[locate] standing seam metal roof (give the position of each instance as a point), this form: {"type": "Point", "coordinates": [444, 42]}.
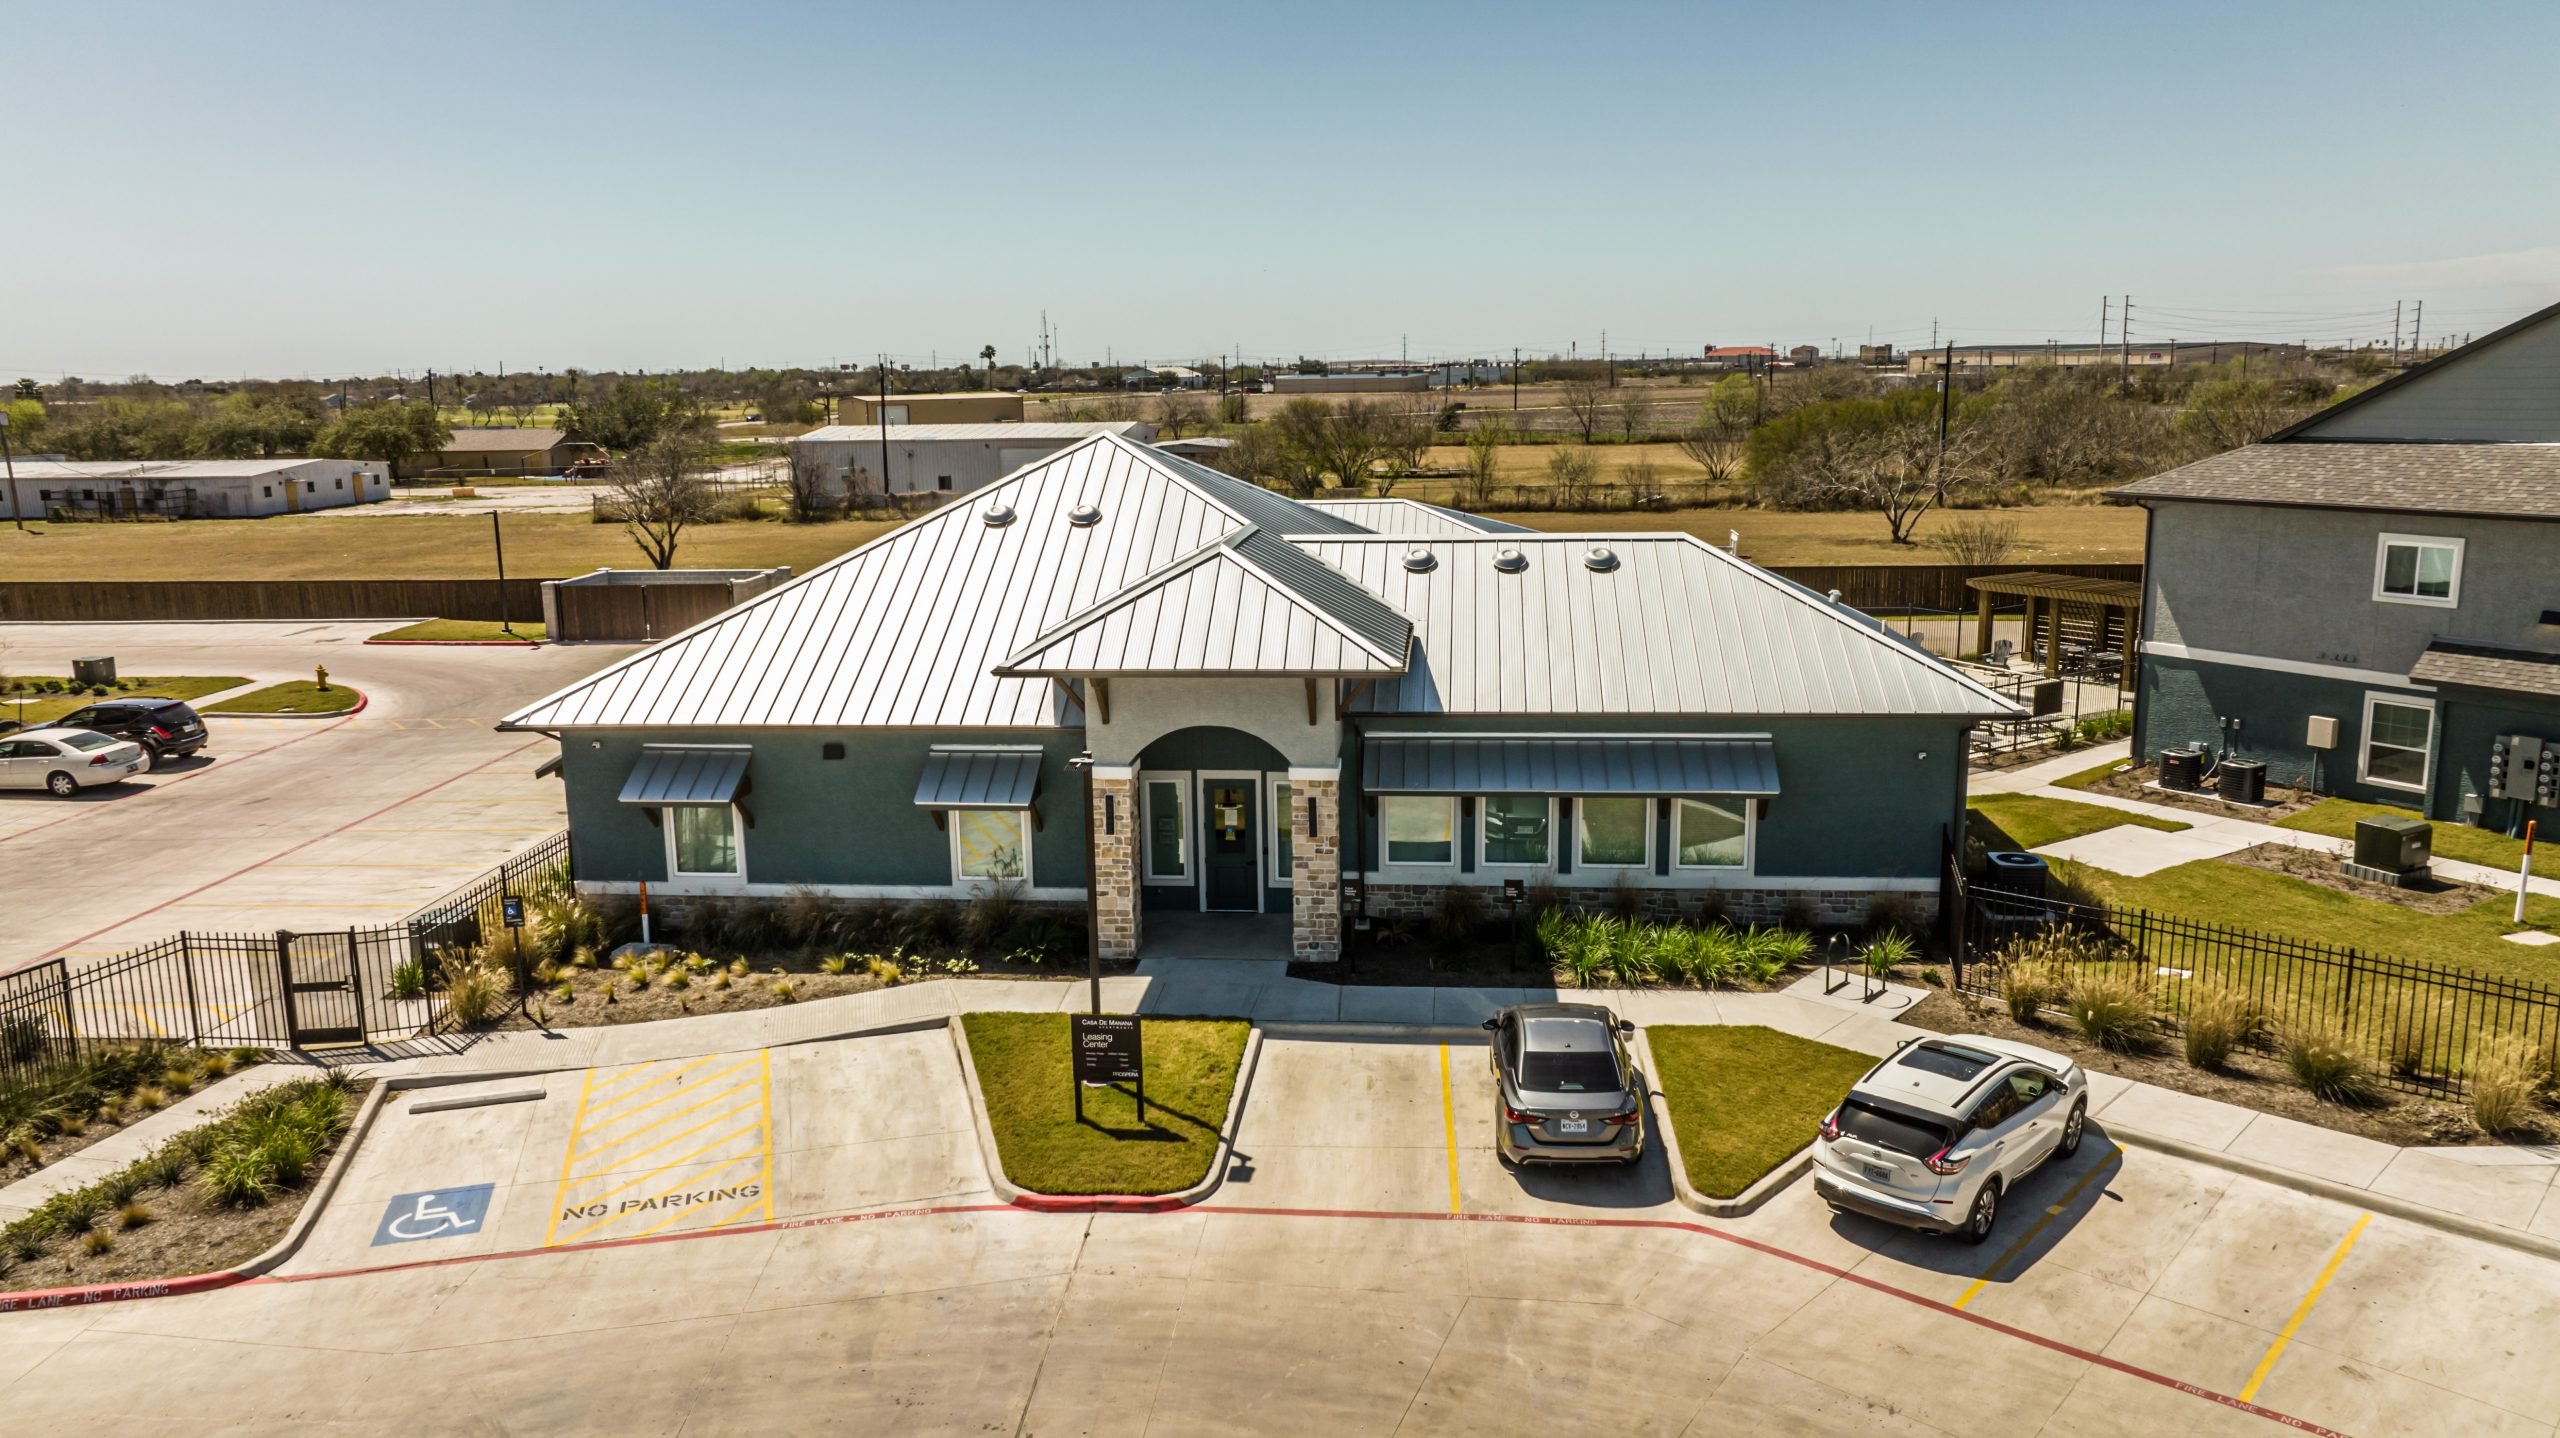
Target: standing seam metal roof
{"type": "Point", "coordinates": [1411, 516]}
{"type": "Point", "coordinates": [1509, 764]}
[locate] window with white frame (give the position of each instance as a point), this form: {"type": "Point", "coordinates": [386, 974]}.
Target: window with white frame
{"type": "Point", "coordinates": [1420, 828]}
{"type": "Point", "coordinates": [1168, 828]}
{"type": "Point", "coordinates": [990, 844]}
{"type": "Point", "coordinates": [1613, 831]}
{"type": "Point", "coordinates": [1712, 834]}
{"type": "Point", "coordinates": [2417, 569]}
{"type": "Point", "coordinates": [2399, 736]}
{"type": "Point", "coordinates": [1517, 830]}
{"type": "Point", "coordinates": [702, 841]}
{"type": "Point", "coordinates": [1283, 833]}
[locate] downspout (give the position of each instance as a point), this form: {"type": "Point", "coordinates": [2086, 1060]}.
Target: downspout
{"type": "Point", "coordinates": [2142, 640]}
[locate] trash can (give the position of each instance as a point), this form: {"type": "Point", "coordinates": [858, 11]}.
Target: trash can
{"type": "Point", "coordinates": [96, 669]}
{"type": "Point", "coordinates": [2182, 767]}
{"type": "Point", "coordinates": [2242, 781]}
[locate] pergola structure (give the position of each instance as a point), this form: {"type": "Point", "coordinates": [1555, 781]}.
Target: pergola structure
{"type": "Point", "coordinates": [2050, 598]}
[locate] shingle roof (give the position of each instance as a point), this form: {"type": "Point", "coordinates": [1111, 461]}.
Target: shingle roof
{"type": "Point", "coordinates": [2509, 480]}
{"type": "Point", "coordinates": [2488, 666]}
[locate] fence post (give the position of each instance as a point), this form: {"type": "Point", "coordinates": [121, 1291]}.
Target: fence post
{"type": "Point", "coordinates": [195, 1010]}
{"type": "Point", "coordinates": [70, 1026]}
{"type": "Point", "coordinates": [284, 987]}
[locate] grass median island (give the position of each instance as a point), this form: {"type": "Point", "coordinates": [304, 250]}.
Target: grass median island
{"type": "Point", "coordinates": [1027, 1082]}
{"type": "Point", "coordinates": [2031, 821]}
{"type": "Point", "coordinates": [298, 696]}
{"type": "Point", "coordinates": [25, 698]}
{"type": "Point", "coordinates": [1744, 1098]}
{"type": "Point", "coordinates": [460, 631]}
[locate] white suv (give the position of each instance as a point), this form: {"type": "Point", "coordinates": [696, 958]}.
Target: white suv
{"type": "Point", "coordinates": [1933, 1136]}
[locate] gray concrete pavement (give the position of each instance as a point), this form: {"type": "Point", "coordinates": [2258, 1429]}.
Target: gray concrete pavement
{"type": "Point", "coordinates": [302, 824]}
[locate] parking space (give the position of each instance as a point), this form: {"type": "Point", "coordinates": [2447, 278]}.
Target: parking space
{"type": "Point", "coordinates": [300, 824]}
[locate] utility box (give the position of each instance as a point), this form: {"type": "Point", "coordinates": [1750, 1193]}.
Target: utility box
{"type": "Point", "coordinates": [96, 669]}
{"type": "Point", "coordinates": [2321, 732]}
{"type": "Point", "coordinates": [2394, 845]}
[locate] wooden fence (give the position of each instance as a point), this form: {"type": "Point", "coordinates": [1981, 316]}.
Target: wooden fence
{"type": "Point", "coordinates": [115, 601]}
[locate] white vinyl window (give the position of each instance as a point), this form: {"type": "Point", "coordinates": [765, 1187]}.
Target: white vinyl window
{"type": "Point", "coordinates": [2417, 569]}
{"type": "Point", "coordinates": [2399, 742]}
{"type": "Point", "coordinates": [1712, 834]}
{"type": "Point", "coordinates": [1168, 829]}
{"type": "Point", "coordinates": [990, 844]}
{"type": "Point", "coordinates": [702, 842]}
{"type": "Point", "coordinates": [1283, 834]}
{"type": "Point", "coordinates": [1518, 831]}
{"type": "Point", "coordinates": [1420, 828]}
{"type": "Point", "coordinates": [1613, 831]}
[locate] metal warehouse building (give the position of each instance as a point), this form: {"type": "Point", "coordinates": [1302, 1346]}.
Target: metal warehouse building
{"type": "Point", "coordinates": [1291, 716]}
{"type": "Point", "coordinates": [956, 458]}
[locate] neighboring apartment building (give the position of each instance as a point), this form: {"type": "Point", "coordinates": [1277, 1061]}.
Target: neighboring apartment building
{"type": "Point", "coordinates": [1290, 716]}
{"type": "Point", "coordinates": [2369, 601]}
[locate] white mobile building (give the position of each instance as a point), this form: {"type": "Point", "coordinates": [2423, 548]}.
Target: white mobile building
{"type": "Point", "coordinates": [191, 488]}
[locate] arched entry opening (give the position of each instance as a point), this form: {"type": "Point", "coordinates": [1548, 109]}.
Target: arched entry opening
{"type": "Point", "coordinates": [1214, 861]}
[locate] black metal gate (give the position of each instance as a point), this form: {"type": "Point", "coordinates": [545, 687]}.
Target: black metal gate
{"type": "Point", "coordinates": [323, 988]}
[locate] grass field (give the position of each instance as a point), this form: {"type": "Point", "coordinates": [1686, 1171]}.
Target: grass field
{"type": "Point", "coordinates": [2031, 821]}
{"type": "Point", "coordinates": [460, 631]}
{"type": "Point", "coordinates": [1026, 1079]}
{"type": "Point", "coordinates": [2337, 819]}
{"type": "Point", "coordinates": [294, 696]}
{"type": "Point", "coordinates": [1742, 1098]}
{"type": "Point", "coordinates": [45, 708]}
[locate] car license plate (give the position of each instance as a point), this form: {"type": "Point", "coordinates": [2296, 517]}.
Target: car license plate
{"type": "Point", "coordinates": [1573, 1125]}
{"type": "Point", "coordinates": [1880, 1175]}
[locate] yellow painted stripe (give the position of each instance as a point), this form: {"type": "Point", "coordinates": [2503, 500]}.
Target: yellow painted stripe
{"type": "Point", "coordinates": [723, 1096]}
{"type": "Point", "coordinates": [701, 1177]}
{"type": "Point", "coordinates": [608, 1111]}
{"type": "Point", "coordinates": [1449, 1126]}
{"type": "Point", "coordinates": [680, 1160]}
{"type": "Point", "coordinates": [568, 1151]}
{"type": "Point", "coordinates": [2302, 1310]}
{"type": "Point", "coordinates": [2048, 1216]}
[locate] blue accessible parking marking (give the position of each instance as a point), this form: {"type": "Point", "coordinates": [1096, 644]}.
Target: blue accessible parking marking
{"type": "Point", "coordinates": [436, 1213]}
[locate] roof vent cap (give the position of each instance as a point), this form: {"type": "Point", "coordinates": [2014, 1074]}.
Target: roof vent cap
{"type": "Point", "coordinates": [1601, 559]}
{"type": "Point", "coordinates": [1085, 515]}
{"type": "Point", "coordinates": [1420, 560]}
{"type": "Point", "coordinates": [997, 516]}
{"type": "Point", "coordinates": [1509, 560]}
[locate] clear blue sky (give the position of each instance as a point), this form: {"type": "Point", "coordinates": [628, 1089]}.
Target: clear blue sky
{"type": "Point", "coordinates": [215, 190]}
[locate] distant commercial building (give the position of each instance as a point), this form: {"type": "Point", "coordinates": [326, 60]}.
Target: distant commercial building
{"type": "Point", "coordinates": [494, 452]}
{"type": "Point", "coordinates": [1413, 382]}
{"type": "Point", "coordinates": [1875, 354]}
{"type": "Point", "coordinates": [962, 407]}
{"type": "Point", "coordinates": [946, 458]}
{"type": "Point", "coordinates": [1805, 354]}
{"type": "Point", "coordinates": [1751, 357]}
{"type": "Point", "coordinates": [1164, 376]}
{"type": "Point", "coordinates": [1200, 449]}
{"type": "Point", "coordinates": [191, 488]}
{"type": "Point", "coordinates": [2147, 354]}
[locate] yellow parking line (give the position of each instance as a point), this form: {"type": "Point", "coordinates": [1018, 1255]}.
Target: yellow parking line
{"type": "Point", "coordinates": [1449, 1126]}
{"type": "Point", "coordinates": [568, 1151]}
{"type": "Point", "coordinates": [681, 1159]}
{"type": "Point", "coordinates": [603, 1120]}
{"type": "Point", "coordinates": [143, 1014]}
{"type": "Point", "coordinates": [2302, 1310]}
{"type": "Point", "coordinates": [2051, 1213]}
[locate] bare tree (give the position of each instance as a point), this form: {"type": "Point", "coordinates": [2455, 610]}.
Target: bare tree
{"type": "Point", "coordinates": [1342, 442]}
{"type": "Point", "coordinates": [1714, 450]}
{"type": "Point", "coordinates": [1570, 469]}
{"type": "Point", "coordinates": [658, 491]}
{"type": "Point", "coordinates": [1264, 456]}
{"type": "Point", "coordinates": [1484, 461]}
{"type": "Point", "coordinates": [1178, 411]}
{"type": "Point", "coordinates": [1405, 426]}
{"type": "Point", "coordinates": [1117, 406]}
{"type": "Point", "coordinates": [1588, 402]}
{"type": "Point", "coordinates": [1976, 541]}
{"type": "Point", "coordinates": [807, 493]}
{"type": "Point", "coordinates": [1631, 413]}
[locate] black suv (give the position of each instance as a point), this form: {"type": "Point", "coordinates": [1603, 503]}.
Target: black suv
{"type": "Point", "coordinates": [165, 728]}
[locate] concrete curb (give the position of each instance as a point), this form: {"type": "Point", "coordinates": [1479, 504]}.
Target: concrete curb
{"type": "Point", "coordinates": [1348, 1029]}
{"type": "Point", "coordinates": [1761, 1189]}
{"type": "Point", "coordinates": [362, 699]}
{"type": "Point", "coordinates": [465, 643]}
{"type": "Point", "coordinates": [2400, 1208]}
{"type": "Point", "coordinates": [1020, 1197]}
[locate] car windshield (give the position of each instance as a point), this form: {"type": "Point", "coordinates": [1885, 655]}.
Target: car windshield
{"type": "Point", "coordinates": [1948, 1061]}
{"type": "Point", "coordinates": [1572, 1071]}
{"type": "Point", "coordinates": [1903, 1133]}
{"type": "Point", "coordinates": [85, 742]}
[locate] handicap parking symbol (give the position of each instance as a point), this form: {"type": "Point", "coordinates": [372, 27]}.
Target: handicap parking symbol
{"type": "Point", "coordinates": [436, 1213]}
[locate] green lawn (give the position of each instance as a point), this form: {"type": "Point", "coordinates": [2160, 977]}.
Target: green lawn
{"type": "Point", "coordinates": [2337, 819]}
{"type": "Point", "coordinates": [297, 696]}
{"type": "Point", "coordinates": [2087, 777]}
{"type": "Point", "coordinates": [1743, 1098]}
{"type": "Point", "coordinates": [2031, 821]}
{"type": "Point", "coordinates": [44, 708]}
{"type": "Point", "coordinates": [1025, 1076]}
{"type": "Point", "coordinates": [458, 631]}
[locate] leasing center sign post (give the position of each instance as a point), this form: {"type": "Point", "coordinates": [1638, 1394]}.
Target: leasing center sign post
{"type": "Point", "coordinates": [1107, 1051]}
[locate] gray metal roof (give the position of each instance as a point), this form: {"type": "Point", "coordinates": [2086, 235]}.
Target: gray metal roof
{"type": "Point", "coordinates": [2489, 666]}
{"type": "Point", "coordinates": [1017, 431]}
{"type": "Point", "coordinates": [681, 775]}
{"type": "Point", "coordinates": [478, 439]}
{"type": "Point", "coordinates": [979, 779]}
{"type": "Point", "coordinates": [1410, 516]}
{"type": "Point", "coordinates": [1677, 627]}
{"type": "Point", "coordinates": [2517, 481]}
{"type": "Point", "coordinates": [1509, 764]}
{"type": "Point", "coordinates": [1251, 603]}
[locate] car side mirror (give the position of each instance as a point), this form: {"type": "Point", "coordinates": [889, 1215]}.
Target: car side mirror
{"type": "Point", "coordinates": [1627, 1027]}
{"type": "Point", "coordinates": [1490, 1025]}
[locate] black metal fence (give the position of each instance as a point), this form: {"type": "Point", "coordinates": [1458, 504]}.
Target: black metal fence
{"type": "Point", "coordinates": [281, 989]}
{"type": "Point", "coordinates": [2420, 1026]}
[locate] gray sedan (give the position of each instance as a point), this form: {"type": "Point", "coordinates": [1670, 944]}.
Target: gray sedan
{"type": "Point", "coordinates": [65, 761]}
{"type": "Point", "coordinates": [1564, 1088]}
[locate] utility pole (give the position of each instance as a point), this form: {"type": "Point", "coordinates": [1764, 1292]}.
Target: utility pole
{"type": "Point", "coordinates": [17, 501]}
{"type": "Point", "coordinates": [1946, 399]}
{"type": "Point", "coordinates": [2418, 330]}
{"type": "Point", "coordinates": [2124, 338]}
{"type": "Point", "coordinates": [2395, 334]}
{"type": "Point", "coordinates": [1515, 379]}
{"type": "Point", "coordinates": [498, 538]}
{"type": "Point", "coordinates": [1606, 360]}
{"type": "Point", "coordinates": [2106, 314]}
{"type": "Point", "coordinates": [883, 417]}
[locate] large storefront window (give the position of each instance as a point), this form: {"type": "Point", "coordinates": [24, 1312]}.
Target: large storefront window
{"type": "Point", "coordinates": [1419, 830]}
{"type": "Point", "coordinates": [1713, 835]}
{"type": "Point", "coordinates": [1516, 827]}
{"type": "Point", "coordinates": [704, 838]}
{"type": "Point", "coordinates": [989, 844]}
{"type": "Point", "coordinates": [1616, 831]}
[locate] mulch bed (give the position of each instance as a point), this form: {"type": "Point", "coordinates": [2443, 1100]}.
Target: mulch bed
{"type": "Point", "coordinates": [754, 990]}
{"type": "Point", "coordinates": [2137, 782]}
{"type": "Point", "coordinates": [62, 1145]}
{"type": "Point", "coordinates": [2427, 896]}
{"type": "Point", "coordinates": [2252, 1080]}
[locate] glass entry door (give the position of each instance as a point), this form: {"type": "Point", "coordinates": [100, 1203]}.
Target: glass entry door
{"type": "Point", "coordinates": [1234, 879]}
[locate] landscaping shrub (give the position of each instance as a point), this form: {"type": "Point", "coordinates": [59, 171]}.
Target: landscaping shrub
{"type": "Point", "coordinates": [2218, 1021]}
{"type": "Point", "coordinates": [1456, 915]}
{"type": "Point", "coordinates": [928, 924]}
{"type": "Point", "coordinates": [409, 980]}
{"type": "Point", "coordinates": [2501, 1084]}
{"type": "Point", "coordinates": [1761, 954]}
{"type": "Point", "coordinates": [1636, 955]}
{"type": "Point", "coordinates": [2409, 1035]}
{"type": "Point", "coordinates": [1892, 913]}
{"type": "Point", "coordinates": [991, 916]}
{"type": "Point", "coordinates": [2112, 1011]}
{"type": "Point", "coordinates": [2067, 881]}
{"type": "Point", "coordinates": [2027, 985]}
{"type": "Point", "coordinates": [1625, 901]}
{"type": "Point", "coordinates": [474, 992]}
{"type": "Point", "coordinates": [1885, 950]}
{"type": "Point", "coordinates": [2324, 1060]}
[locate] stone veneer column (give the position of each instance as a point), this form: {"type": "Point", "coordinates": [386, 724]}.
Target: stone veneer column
{"type": "Point", "coordinates": [1315, 865]}
{"type": "Point", "coordinates": [1115, 858]}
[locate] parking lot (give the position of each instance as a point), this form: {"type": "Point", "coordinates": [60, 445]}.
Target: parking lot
{"type": "Point", "coordinates": [1368, 1267]}
{"type": "Point", "coordinates": [309, 824]}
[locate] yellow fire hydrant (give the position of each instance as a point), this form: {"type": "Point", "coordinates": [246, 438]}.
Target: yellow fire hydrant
{"type": "Point", "coordinates": [320, 675]}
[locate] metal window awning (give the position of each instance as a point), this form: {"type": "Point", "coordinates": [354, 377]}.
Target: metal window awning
{"type": "Point", "coordinates": [979, 779]}
{"type": "Point", "coordinates": [674, 775]}
{"type": "Point", "coordinates": [1489, 764]}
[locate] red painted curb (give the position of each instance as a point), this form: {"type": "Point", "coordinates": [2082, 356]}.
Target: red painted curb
{"type": "Point", "coordinates": [38, 1298]}
{"type": "Point", "coordinates": [1098, 1203]}
{"type": "Point", "coordinates": [467, 643]}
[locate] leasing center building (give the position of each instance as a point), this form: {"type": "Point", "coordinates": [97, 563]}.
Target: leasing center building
{"type": "Point", "coordinates": [1279, 698]}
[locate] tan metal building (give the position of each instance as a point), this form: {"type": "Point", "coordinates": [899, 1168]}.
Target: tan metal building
{"type": "Point", "coordinates": [968, 407]}
{"type": "Point", "coordinates": [492, 451]}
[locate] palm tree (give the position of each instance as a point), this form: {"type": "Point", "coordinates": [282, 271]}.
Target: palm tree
{"type": "Point", "coordinates": [988, 354]}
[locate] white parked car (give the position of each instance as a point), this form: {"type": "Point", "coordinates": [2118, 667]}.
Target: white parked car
{"type": "Point", "coordinates": [65, 761]}
{"type": "Point", "coordinates": [1934, 1136]}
